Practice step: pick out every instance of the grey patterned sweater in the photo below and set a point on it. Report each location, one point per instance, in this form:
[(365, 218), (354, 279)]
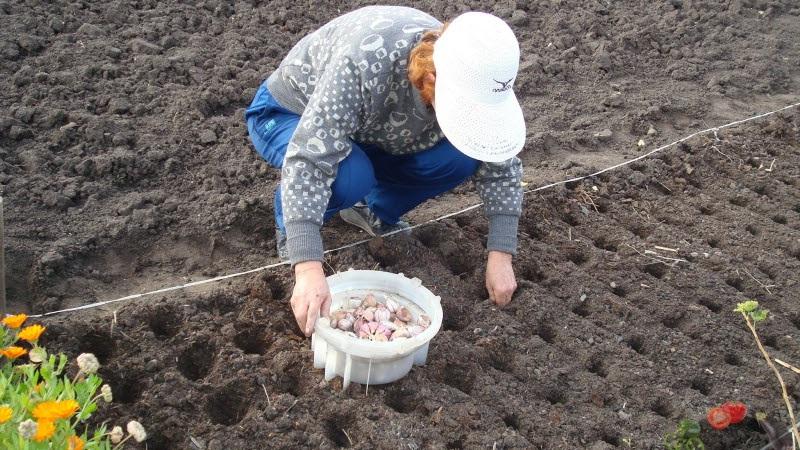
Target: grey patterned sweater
[(348, 81)]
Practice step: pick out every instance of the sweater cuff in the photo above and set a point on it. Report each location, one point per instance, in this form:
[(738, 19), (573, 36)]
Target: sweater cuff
[(303, 242), (503, 233)]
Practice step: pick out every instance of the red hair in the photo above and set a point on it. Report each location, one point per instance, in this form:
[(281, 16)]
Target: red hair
[(420, 64)]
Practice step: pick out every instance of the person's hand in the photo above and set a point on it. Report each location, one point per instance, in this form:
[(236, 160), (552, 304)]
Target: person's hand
[(310, 296), (500, 281)]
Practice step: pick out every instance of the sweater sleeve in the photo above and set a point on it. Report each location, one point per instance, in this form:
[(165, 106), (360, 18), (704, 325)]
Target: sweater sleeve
[(500, 188), (335, 110)]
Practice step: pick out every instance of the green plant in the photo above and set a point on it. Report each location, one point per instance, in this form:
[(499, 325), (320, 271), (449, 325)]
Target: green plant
[(40, 406), (685, 437), (753, 313)]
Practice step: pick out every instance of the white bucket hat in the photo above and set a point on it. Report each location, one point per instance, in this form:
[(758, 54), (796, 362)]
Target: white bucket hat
[(476, 60)]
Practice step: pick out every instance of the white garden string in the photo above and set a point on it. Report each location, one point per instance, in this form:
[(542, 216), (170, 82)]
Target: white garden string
[(470, 208)]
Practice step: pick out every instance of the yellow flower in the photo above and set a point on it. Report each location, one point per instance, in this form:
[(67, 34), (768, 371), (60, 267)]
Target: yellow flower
[(74, 443), (15, 321), (5, 413), (52, 410), (13, 352), (31, 333), (44, 430)]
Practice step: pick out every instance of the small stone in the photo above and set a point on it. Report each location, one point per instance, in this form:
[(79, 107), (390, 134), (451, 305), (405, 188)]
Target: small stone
[(142, 46), (604, 136), (641, 143), (89, 29), (208, 137), (651, 131), (583, 297), (68, 126), (519, 18), (119, 106)]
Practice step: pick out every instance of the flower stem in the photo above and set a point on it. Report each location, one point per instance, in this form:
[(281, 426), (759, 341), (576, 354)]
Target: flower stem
[(751, 326), (122, 442)]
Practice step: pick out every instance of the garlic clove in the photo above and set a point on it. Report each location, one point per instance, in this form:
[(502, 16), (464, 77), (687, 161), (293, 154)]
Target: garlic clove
[(369, 300), (380, 337), (345, 324), (414, 330), (392, 305), (424, 321), (403, 314), (382, 315), (373, 326), (389, 325)]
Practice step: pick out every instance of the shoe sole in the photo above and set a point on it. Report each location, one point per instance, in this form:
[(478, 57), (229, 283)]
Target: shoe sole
[(355, 219)]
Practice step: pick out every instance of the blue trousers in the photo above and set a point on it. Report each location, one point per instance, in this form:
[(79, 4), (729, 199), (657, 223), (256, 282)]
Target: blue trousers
[(391, 185)]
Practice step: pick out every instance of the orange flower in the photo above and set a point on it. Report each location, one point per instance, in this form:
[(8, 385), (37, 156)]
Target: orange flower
[(14, 321), (13, 352), (31, 333), (38, 388), (44, 430), (5, 413), (74, 443), (52, 410)]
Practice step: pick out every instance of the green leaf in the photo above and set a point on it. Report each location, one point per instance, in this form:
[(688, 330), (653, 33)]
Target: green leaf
[(746, 307), (759, 315)]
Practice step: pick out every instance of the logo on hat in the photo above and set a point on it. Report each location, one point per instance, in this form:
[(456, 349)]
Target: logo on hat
[(504, 85)]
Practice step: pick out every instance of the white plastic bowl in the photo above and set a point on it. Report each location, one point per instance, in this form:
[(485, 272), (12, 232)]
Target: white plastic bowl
[(368, 362)]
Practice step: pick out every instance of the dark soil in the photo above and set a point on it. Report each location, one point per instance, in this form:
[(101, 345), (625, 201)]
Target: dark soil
[(126, 167)]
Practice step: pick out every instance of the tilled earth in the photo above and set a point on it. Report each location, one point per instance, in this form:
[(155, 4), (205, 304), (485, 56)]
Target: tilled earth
[(125, 167)]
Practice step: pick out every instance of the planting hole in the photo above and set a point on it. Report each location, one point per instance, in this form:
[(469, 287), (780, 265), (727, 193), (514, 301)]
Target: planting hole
[(611, 439), (641, 231), (736, 283), (196, 361), (701, 385), (706, 210), (739, 201), (637, 344), (619, 291), (713, 242), (577, 257), (582, 309), (603, 243), (656, 269), (251, 339), (733, 359), (511, 420), (597, 366), (228, 405), (555, 396), (662, 407), (98, 342), (547, 333), (459, 376), (336, 430), (401, 399), (710, 304), (752, 229), (673, 321), (127, 385), (779, 219), (164, 322)]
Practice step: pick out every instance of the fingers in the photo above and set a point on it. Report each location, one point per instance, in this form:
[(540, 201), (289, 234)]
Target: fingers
[(300, 310), (313, 314), (326, 306)]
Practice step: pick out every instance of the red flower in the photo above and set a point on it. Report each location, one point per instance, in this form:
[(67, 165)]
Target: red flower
[(718, 418), (736, 410)]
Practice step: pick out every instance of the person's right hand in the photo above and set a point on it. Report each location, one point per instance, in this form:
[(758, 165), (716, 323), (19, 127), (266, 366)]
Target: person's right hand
[(310, 296)]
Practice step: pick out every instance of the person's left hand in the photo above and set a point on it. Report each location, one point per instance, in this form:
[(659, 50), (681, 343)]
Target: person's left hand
[(500, 281)]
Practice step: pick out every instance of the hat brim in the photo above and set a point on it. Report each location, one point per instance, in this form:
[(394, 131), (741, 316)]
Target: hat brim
[(486, 132)]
